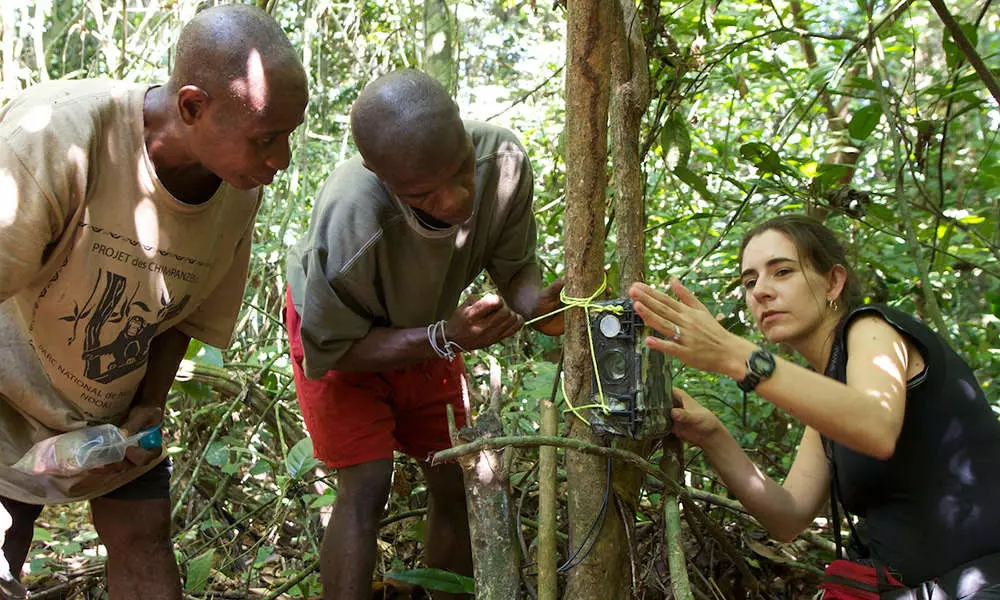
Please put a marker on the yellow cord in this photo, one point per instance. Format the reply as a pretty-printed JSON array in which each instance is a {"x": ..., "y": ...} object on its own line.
[{"x": 587, "y": 304}]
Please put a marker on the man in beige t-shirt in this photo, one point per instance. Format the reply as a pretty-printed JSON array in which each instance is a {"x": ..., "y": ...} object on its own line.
[{"x": 126, "y": 221}]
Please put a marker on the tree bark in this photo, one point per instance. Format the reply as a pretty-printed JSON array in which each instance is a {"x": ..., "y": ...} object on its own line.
[
  {"x": 439, "y": 39},
  {"x": 495, "y": 556},
  {"x": 548, "y": 585},
  {"x": 588, "y": 36}
]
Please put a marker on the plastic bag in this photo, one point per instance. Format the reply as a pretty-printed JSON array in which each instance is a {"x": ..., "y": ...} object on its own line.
[{"x": 88, "y": 448}]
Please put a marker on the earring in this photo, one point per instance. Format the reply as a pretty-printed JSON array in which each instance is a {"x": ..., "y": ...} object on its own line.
[{"x": 833, "y": 304}]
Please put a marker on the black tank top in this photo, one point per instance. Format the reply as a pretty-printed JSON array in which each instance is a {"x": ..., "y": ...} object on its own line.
[{"x": 935, "y": 504}]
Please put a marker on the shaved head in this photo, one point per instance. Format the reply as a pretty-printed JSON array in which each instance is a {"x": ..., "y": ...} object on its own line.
[
  {"x": 231, "y": 50},
  {"x": 405, "y": 120}
]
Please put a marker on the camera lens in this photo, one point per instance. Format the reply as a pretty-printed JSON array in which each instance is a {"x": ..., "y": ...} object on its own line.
[{"x": 613, "y": 365}]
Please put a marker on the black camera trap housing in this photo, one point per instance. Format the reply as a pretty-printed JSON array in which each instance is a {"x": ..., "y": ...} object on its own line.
[{"x": 635, "y": 380}]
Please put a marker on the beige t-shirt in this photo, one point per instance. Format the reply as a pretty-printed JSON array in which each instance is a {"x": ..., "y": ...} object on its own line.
[
  {"x": 366, "y": 261},
  {"x": 96, "y": 258}
]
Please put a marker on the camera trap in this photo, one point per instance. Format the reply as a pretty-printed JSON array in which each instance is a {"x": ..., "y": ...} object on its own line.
[{"x": 634, "y": 379}]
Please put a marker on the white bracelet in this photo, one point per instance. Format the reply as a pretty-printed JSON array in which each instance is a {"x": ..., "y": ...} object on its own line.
[{"x": 446, "y": 349}]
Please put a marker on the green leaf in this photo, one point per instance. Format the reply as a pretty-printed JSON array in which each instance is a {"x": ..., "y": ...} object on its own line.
[
  {"x": 761, "y": 156},
  {"x": 780, "y": 37},
  {"x": 300, "y": 459},
  {"x": 436, "y": 579},
  {"x": 880, "y": 212},
  {"x": 537, "y": 384},
  {"x": 218, "y": 454},
  {"x": 864, "y": 122},
  {"x": 259, "y": 467},
  {"x": 208, "y": 355},
  {"x": 198, "y": 570},
  {"x": 989, "y": 176},
  {"x": 695, "y": 182},
  {"x": 416, "y": 530},
  {"x": 994, "y": 299},
  {"x": 675, "y": 141},
  {"x": 194, "y": 347},
  {"x": 68, "y": 549},
  {"x": 325, "y": 500},
  {"x": 262, "y": 555},
  {"x": 953, "y": 55},
  {"x": 830, "y": 173}
]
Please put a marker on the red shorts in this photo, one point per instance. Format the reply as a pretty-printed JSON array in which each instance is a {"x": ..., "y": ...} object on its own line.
[{"x": 358, "y": 417}]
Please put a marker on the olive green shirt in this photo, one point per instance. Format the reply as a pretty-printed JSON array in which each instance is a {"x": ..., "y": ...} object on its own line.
[{"x": 367, "y": 262}]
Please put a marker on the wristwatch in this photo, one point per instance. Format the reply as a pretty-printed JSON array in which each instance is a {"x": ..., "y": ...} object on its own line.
[{"x": 760, "y": 366}]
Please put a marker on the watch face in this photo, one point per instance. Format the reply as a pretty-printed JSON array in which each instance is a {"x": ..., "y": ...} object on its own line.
[{"x": 762, "y": 363}]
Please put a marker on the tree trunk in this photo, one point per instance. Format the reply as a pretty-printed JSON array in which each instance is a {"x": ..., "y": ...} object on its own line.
[
  {"x": 598, "y": 573},
  {"x": 439, "y": 38}
]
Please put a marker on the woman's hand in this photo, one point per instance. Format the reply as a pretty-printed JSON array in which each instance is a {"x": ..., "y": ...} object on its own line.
[
  {"x": 694, "y": 423},
  {"x": 690, "y": 332}
]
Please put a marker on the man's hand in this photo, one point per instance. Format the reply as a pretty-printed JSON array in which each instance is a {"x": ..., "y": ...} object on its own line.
[
  {"x": 482, "y": 322},
  {"x": 548, "y": 301},
  {"x": 141, "y": 417}
]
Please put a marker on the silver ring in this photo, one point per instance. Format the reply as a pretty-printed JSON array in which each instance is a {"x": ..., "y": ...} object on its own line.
[{"x": 677, "y": 333}]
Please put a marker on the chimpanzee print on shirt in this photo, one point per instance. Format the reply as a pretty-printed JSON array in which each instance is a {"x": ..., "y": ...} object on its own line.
[{"x": 110, "y": 321}]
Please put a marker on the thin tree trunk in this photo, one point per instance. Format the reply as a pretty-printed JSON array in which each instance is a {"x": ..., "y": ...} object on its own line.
[
  {"x": 548, "y": 585},
  {"x": 671, "y": 466},
  {"x": 439, "y": 40},
  {"x": 495, "y": 556},
  {"x": 629, "y": 100},
  {"x": 587, "y": 88}
]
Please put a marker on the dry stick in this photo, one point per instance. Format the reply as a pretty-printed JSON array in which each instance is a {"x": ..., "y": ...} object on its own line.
[
  {"x": 726, "y": 545},
  {"x": 967, "y": 48},
  {"x": 559, "y": 442},
  {"x": 309, "y": 570},
  {"x": 548, "y": 585},
  {"x": 76, "y": 578}
]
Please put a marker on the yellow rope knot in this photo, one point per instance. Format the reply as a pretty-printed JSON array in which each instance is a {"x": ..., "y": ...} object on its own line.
[{"x": 588, "y": 305}]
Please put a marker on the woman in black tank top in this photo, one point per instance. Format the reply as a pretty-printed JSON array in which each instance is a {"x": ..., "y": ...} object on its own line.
[{"x": 913, "y": 442}]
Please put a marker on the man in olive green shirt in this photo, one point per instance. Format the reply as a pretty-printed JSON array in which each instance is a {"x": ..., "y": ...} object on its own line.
[{"x": 397, "y": 234}]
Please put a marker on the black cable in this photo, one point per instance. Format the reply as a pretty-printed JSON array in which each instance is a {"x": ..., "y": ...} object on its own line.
[{"x": 591, "y": 538}]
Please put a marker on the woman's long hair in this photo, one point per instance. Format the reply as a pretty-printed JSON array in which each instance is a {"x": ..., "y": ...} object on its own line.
[{"x": 818, "y": 246}]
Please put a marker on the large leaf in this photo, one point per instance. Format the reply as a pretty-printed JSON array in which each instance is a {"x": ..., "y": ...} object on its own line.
[
  {"x": 864, "y": 122},
  {"x": 953, "y": 55},
  {"x": 675, "y": 141},
  {"x": 761, "y": 156},
  {"x": 436, "y": 579},
  {"x": 300, "y": 458},
  {"x": 695, "y": 182},
  {"x": 208, "y": 355},
  {"x": 198, "y": 570}
]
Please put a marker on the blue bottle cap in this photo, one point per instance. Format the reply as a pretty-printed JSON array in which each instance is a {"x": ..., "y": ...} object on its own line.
[{"x": 151, "y": 438}]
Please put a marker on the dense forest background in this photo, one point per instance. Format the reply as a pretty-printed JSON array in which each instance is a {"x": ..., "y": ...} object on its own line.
[{"x": 866, "y": 114}]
